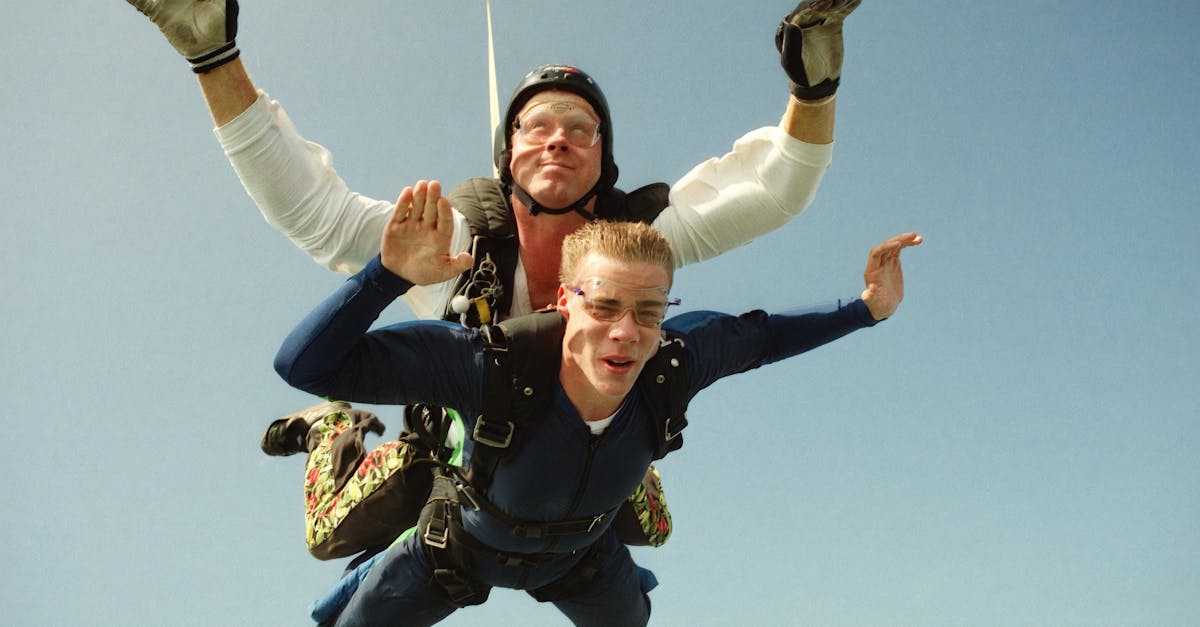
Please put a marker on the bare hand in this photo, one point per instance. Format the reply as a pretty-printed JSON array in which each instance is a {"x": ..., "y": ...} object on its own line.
[
  {"x": 416, "y": 240},
  {"x": 884, "y": 277}
]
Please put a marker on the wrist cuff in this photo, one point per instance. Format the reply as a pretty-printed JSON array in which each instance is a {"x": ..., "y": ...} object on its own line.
[
  {"x": 215, "y": 58},
  {"x": 823, "y": 89}
]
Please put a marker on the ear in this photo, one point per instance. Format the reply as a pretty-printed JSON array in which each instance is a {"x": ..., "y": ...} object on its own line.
[{"x": 561, "y": 305}]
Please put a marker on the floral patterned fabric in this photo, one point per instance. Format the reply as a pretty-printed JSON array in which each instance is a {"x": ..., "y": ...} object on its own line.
[
  {"x": 325, "y": 505},
  {"x": 650, "y": 505},
  {"x": 328, "y": 504}
]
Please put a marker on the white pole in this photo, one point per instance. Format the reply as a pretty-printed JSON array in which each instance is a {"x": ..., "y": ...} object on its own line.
[{"x": 493, "y": 96}]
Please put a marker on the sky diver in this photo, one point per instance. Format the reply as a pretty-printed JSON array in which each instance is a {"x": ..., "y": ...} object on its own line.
[
  {"x": 554, "y": 154},
  {"x": 614, "y": 364}
]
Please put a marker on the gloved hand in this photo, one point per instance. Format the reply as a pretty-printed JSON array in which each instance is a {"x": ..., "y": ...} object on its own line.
[
  {"x": 202, "y": 31},
  {"x": 809, "y": 40}
]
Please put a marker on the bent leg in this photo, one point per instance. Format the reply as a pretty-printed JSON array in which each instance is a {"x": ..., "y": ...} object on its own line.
[
  {"x": 354, "y": 500},
  {"x": 397, "y": 591},
  {"x": 618, "y": 596}
]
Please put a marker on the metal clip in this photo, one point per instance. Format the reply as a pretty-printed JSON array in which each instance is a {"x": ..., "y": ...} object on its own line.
[
  {"x": 597, "y": 520},
  {"x": 469, "y": 495},
  {"x": 488, "y": 438},
  {"x": 438, "y": 542}
]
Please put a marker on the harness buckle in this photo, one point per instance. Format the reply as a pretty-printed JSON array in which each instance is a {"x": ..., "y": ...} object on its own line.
[
  {"x": 493, "y": 434},
  {"x": 597, "y": 520},
  {"x": 667, "y": 432},
  {"x": 469, "y": 494},
  {"x": 439, "y": 537}
]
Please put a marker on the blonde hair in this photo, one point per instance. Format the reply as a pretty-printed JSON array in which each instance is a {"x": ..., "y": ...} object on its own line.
[{"x": 621, "y": 241}]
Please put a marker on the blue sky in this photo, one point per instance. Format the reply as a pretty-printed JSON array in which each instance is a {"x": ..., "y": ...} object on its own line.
[{"x": 1012, "y": 448}]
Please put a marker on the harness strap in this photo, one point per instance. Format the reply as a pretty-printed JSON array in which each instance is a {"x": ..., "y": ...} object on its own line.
[
  {"x": 427, "y": 428},
  {"x": 445, "y": 557},
  {"x": 663, "y": 385},
  {"x": 446, "y": 543},
  {"x": 495, "y": 426},
  {"x": 531, "y": 530},
  {"x": 520, "y": 370}
]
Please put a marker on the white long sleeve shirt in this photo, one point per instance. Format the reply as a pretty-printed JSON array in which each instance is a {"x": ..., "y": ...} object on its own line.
[{"x": 767, "y": 179}]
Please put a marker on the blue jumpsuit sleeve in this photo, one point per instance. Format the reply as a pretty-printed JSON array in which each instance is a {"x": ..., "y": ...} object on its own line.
[
  {"x": 332, "y": 352},
  {"x": 800, "y": 330},
  {"x": 722, "y": 345}
]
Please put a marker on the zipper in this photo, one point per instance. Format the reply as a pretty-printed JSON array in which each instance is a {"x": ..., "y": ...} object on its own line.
[{"x": 593, "y": 444}]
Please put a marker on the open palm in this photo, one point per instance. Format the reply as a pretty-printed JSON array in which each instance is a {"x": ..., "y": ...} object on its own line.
[{"x": 416, "y": 240}]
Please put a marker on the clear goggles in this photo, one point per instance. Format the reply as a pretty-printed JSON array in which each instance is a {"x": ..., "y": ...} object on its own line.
[
  {"x": 608, "y": 301},
  {"x": 542, "y": 121}
]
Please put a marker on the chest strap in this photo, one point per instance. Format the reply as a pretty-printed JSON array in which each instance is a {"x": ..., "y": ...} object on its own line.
[{"x": 531, "y": 530}]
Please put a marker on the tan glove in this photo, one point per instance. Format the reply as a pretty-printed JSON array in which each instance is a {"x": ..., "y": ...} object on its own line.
[
  {"x": 202, "y": 31},
  {"x": 809, "y": 40}
]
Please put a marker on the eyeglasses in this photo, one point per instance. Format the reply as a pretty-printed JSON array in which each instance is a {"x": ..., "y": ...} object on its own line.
[
  {"x": 543, "y": 120},
  {"x": 607, "y": 301}
]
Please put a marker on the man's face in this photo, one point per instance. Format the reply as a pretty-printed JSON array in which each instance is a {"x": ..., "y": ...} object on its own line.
[
  {"x": 604, "y": 358},
  {"x": 556, "y": 172}
]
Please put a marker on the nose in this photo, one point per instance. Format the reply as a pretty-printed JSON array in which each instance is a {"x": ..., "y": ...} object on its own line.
[
  {"x": 625, "y": 329},
  {"x": 557, "y": 141}
]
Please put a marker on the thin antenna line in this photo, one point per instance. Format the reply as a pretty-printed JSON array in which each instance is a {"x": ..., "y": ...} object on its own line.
[{"x": 493, "y": 95}]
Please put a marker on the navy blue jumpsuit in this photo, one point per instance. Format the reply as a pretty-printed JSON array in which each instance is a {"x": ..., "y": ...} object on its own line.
[{"x": 562, "y": 472}]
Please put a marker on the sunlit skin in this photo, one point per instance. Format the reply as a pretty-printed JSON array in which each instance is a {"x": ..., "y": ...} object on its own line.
[
  {"x": 602, "y": 360},
  {"x": 556, "y": 174}
]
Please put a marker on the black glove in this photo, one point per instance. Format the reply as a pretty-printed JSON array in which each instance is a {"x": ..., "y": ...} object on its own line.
[
  {"x": 809, "y": 40},
  {"x": 202, "y": 31}
]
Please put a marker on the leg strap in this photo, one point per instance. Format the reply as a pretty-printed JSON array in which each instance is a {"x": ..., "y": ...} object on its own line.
[{"x": 438, "y": 519}]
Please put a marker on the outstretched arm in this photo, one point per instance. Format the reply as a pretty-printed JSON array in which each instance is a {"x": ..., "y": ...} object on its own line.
[
  {"x": 884, "y": 276},
  {"x": 723, "y": 345},
  {"x": 292, "y": 181},
  {"x": 772, "y": 174}
]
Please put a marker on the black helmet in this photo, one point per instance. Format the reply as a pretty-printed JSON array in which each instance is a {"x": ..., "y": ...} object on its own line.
[{"x": 565, "y": 78}]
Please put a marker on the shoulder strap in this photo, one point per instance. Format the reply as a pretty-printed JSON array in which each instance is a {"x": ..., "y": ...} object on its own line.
[
  {"x": 664, "y": 388},
  {"x": 641, "y": 205},
  {"x": 484, "y": 203},
  {"x": 521, "y": 360}
]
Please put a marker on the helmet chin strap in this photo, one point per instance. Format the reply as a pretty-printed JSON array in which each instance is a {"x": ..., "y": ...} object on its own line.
[{"x": 536, "y": 208}]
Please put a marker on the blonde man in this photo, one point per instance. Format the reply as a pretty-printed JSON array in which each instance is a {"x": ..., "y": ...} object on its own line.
[{"x": 589, "y": 445}]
